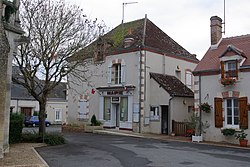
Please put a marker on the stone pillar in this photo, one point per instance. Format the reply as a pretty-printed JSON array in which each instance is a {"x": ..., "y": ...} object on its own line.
[{"x": 4, "y": 50}]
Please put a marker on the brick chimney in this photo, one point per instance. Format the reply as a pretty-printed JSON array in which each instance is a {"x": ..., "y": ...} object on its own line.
[{"x": 216, "y": 29}]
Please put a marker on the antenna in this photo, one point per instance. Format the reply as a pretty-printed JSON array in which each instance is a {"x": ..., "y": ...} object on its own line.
[
  {"x": 224, "y": 32},
  {"x": 123, "y": 5}
]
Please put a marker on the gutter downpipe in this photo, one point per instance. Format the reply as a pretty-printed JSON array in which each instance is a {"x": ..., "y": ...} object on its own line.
[
  {"x": 140, "y": 90},
  {"x": 170, "y": 109},
  {"x": 200, "y": 124}
]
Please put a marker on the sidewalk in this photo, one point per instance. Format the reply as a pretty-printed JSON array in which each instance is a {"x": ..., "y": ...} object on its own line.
[{"x": 24, "y": 154}]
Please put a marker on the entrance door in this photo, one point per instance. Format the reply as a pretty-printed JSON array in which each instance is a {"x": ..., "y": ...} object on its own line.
[
  {"x": 117, "y": 115},
  {"x": 164, "y": 120},
  {"x": 26, "y": 111}
]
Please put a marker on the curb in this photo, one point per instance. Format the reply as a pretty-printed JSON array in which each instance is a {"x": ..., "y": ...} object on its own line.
[
  {"x": 39, "y": 156},
  {"x": 158, "y": 138}
]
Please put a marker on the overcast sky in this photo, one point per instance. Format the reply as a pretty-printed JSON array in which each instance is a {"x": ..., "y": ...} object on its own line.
[{"x": 186, "y": 21}]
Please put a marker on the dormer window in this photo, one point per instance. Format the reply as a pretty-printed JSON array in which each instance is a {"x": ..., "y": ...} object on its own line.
[{"x": 231, "y": 69}]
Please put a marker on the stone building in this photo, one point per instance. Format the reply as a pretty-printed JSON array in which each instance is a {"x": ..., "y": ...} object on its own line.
[{"x": 10, "y": 38}]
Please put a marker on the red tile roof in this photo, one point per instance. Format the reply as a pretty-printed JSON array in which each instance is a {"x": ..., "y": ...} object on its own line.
[
  {"x": 172, "y": 85},
  {"x": 211, "y": 60}
]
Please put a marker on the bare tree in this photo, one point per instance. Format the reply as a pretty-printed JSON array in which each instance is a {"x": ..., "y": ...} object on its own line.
[{"x": 56, "y": 31}]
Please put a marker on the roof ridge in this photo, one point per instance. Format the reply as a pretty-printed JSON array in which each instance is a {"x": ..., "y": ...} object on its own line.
[{"x": 238, "y": 36}]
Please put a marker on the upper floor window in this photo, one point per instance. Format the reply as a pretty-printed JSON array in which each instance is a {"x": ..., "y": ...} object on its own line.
[
  {"x": 116, "y": 74},
  {"x": 189, "y": 79},
  {"x": 231, "y": 69}
]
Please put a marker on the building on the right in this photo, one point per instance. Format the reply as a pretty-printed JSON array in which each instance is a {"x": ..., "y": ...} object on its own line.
[{"x": 222, "y": 80}]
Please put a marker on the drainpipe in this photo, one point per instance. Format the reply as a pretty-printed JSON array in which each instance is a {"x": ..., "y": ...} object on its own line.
[
  {"x": 140, "y": 90},
  {"x": 169, "y": 106},
  {"x": 200, "y": 103}
]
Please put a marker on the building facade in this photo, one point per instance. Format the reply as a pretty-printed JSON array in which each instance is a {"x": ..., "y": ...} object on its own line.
[
  {"x": 221, "y": 80},
  {"x": 10, "y": 38},
  {"x": 124, "y": 89}
]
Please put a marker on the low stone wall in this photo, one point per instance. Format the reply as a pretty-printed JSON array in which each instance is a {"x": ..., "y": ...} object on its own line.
[{"x": 80, "y": 128}]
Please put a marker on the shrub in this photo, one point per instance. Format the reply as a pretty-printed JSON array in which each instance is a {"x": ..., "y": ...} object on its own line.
[
  {"x": 16, "y": 127},
  {"x": 49, "y": 138},
  {"x": 228, "y": 131},
  {"x": 93, "y": 120}
]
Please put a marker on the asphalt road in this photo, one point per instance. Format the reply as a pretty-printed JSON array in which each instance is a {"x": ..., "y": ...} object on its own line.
[{"x": 99, "y": 150}]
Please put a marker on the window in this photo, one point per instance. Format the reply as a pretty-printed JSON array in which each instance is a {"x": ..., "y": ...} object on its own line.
[
  {"x": 107, "y": 108},
  {"x": 58, "y": 114},
  {"x": 232, "y": 112},
  {"x": 124, "y": 109},
  {"x": 189, "y": 79},
  {"x": 154, "y": 113},
  {"x": 231, "y": 69},
  {"x": 116, "y": 74}
]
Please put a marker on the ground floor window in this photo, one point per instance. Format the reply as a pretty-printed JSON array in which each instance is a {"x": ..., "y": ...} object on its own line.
[
  {"x": 58, "y": 114},
  {"x": 154, "y": 113},
  {"x": 107, "y": 108},
  {"x": 124, "y": 109},
  {"x": 232, "y": 112}
]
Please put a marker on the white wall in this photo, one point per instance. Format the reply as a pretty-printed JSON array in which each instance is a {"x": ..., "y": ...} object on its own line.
[{"x": 211, "y": 87}]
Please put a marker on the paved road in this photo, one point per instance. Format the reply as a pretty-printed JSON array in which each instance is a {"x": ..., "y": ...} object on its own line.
[{"x": 96, "y": 150}]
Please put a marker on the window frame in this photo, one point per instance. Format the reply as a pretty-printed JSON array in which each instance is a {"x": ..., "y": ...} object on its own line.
[
  {"x": 226, "y": 107},
  {"x": 60, "y": 114},
  {"x": 232, "y": 72},
  {"x": 189, "y": 73},
  {"x": 154, "y": 113}
]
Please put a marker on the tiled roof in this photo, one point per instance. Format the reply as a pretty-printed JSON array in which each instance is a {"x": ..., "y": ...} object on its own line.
[
  {"x": 19, "y": 92},
  {"x": 155, "y": 39},
  {"x": 211, "y": 60},
  {"x": 172, "y": 85}
]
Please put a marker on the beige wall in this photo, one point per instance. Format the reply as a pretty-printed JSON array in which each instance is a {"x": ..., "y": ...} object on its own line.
[
  {"x": 51, "y": 107},
  {"x": 99, "y": 77}
]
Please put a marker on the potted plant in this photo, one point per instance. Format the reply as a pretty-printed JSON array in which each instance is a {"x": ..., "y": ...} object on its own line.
[
  {"x": 205, "y": 107},
  {"x": 228, "y": 81},
  {"x": 242, "y": 138}
]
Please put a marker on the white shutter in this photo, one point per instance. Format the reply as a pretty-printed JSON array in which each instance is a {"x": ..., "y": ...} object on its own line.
[
  {"x": 109, "y": 74},
  {"x": 123, "y": 73}
]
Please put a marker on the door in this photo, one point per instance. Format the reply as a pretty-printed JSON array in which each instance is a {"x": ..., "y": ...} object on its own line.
[
  {"x": 26, "y": 111},
  {"x": 164, "y": 120},
  {"x": 117, "y": 115}
]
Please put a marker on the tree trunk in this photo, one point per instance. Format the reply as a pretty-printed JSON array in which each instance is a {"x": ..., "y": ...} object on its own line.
[{"x": 42, "y": 117}]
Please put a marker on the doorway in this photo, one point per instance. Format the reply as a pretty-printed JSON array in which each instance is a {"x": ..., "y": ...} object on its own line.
[
  {"x": 26, "y": 111},
  {"x": 117, "y": 114},
  {"x": 164, "y": 119}
]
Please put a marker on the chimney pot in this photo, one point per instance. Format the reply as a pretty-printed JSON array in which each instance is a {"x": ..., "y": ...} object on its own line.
[{"x": 216, "y": 29}]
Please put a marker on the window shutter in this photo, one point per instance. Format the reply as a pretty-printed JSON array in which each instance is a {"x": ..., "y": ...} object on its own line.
[
  {"x": 109, "y": 74},
  {"x": 243, "y": 113},
  {"x": 222, "y": 66},
  {"x": 237, "y": 69},
  {"x": 218, "y": 112},
  {"x": 123, "y": 73}
]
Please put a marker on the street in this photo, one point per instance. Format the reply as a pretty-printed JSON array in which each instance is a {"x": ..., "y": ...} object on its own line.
[{"x": 95, "y": 150}]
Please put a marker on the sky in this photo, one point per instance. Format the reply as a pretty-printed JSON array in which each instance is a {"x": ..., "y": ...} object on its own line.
[{"x": 185, "y": 21}]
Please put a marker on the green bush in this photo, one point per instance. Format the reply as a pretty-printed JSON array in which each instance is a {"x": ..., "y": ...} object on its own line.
[
  {"x": 94, "y": 121},
  {"x": 49, "y": 138},
  {"x": 16, "y": 127},
  {"x": 228, "y": 131}
]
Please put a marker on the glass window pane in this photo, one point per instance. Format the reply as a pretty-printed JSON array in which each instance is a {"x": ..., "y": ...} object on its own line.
[
  {"x": 236, "y": 120},
  {"x": 124, "y": 109},
  {"x": 229, "y": 103},
  {"x": 229, "y": 112},
  {"x": 236, "y": 104},
  {"x": 229, "y": 120},
  {"x": 107, "y": 108}
]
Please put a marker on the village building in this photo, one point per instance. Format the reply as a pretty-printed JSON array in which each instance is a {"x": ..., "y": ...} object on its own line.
[
  {"x": 138, "y": 79},
  {"x": 10, "y": 38},
  {"x": 222, "y": 82}
]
